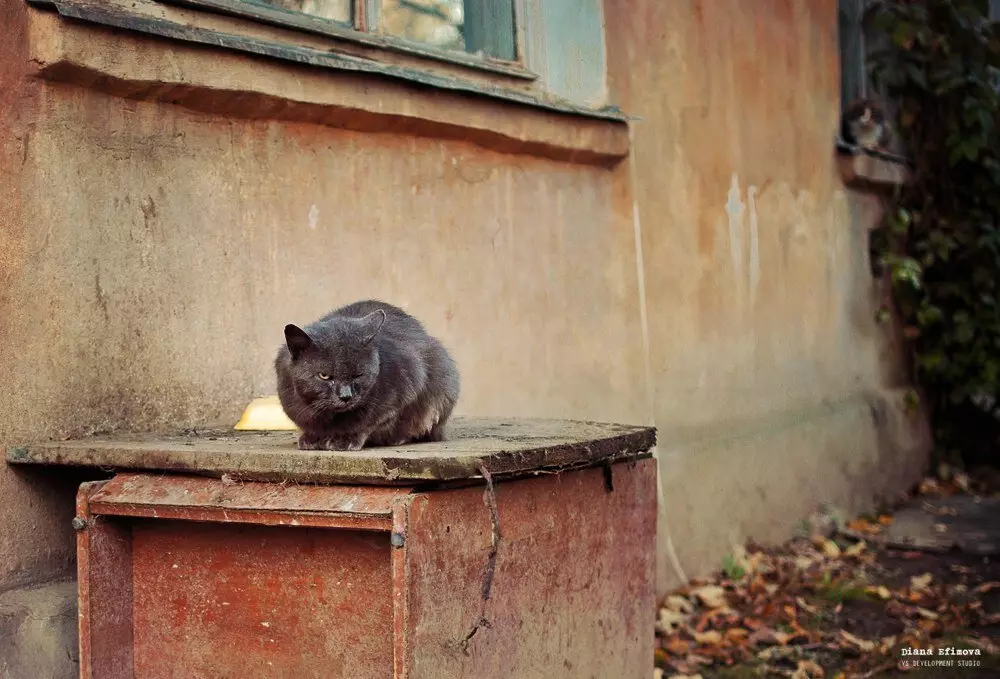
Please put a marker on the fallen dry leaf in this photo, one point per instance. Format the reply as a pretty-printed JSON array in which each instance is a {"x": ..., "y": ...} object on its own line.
[
  {"x": 830, "y": 549},
  {"x": 710, "y": 638},
  {"x": 776, "y": 653},
  {"x": 737, "y": 634},
  {"x": 660, "y": 657},
  {"x": 939, "y": 511},
  {"x": 855, "y": 549},
  {"x": 882, "y": 592},
  {"x": 695, "y": 659},
  {"x": 987, "y": 587},
  {"x": 921, "y": 582},
  {"x": 711, "y": 596},
  {"x": 930, "y": 486},
  {"x": 807, "y": 669},
  {"x": 803, "y": 563},
  {"x": 930, "y": 615},
  {"x": 863, "y": 526},
  {"x": 783, "y": 637},
  {"x": 806, "y": 607},
  {"x": 762, "y": 636},
  {"x": 885, "y": 520},
  {"x": 670, "y": 621},
  {"x": 677, "y": 646},
  {"x": 679, "y": 604},
  {"x": 856, "y": 642}
]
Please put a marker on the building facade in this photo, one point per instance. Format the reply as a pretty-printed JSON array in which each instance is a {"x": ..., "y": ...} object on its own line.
[{"x": 623, "y": 211}]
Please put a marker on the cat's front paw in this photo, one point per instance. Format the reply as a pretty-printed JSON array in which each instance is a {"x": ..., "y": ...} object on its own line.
[
  {"x": 310, "y": 443},
  {"x": 332, "y": 443}
]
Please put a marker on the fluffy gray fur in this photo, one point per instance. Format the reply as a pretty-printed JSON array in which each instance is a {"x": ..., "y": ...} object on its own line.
[{"x": 365, "y": 374}]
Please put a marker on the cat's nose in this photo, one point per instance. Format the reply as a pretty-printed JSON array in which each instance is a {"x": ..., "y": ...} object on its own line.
[{"x": 344, "y": 393}]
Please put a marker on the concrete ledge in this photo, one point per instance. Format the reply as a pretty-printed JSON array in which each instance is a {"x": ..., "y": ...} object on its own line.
[
  {"x": 38, "y": 632},
  {"x": 864, "y": 171},
  {"x": 232, "y": 76}
]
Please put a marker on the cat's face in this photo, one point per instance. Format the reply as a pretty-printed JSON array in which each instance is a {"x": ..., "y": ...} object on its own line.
[{"x": 335, "y": 369}]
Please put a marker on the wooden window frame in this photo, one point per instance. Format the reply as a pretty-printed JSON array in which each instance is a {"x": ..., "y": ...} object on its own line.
[{"x": 363, "y": 29}]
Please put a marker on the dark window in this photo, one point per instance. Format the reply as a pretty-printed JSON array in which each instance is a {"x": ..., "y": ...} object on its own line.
[{"x": 853, "y": 72}]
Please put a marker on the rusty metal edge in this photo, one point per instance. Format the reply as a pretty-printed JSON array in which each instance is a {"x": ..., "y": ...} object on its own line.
[
  {"x": 85, "y": 522},
  {"x": 400, "y": 596},
  {"x": 82, "y": 576}
]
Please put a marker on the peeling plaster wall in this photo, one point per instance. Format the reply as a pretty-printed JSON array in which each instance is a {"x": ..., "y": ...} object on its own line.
[
  {"x": 772, "y": 385},
  {"x": 152, "y": 255}
]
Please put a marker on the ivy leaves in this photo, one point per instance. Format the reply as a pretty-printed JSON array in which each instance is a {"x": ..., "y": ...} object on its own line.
[{"x": 940, "y": 244}]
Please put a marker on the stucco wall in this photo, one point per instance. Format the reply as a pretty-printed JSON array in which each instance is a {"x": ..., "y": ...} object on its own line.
[
  {"x": 152, "y": 256},
  {"x": 769, "y": 372}
]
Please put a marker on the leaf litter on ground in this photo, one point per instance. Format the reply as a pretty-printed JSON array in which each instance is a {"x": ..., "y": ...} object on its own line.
[{"x": 823, "y": 606}]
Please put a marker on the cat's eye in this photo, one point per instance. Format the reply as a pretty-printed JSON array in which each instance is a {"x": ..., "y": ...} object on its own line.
[{"x": 323, "y": 376}]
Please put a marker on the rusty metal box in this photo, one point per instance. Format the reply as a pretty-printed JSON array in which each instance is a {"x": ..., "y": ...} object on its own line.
[{"x": 538, "y": 565}]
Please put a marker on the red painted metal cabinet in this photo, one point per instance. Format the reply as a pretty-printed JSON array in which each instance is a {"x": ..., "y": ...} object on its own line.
[{"x": 541, "y": 573}]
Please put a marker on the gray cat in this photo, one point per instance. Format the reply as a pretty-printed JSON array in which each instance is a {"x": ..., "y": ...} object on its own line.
[{"x": 365, "y": 374}]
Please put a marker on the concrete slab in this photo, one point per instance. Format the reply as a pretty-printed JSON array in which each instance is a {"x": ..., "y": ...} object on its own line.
[
  {"x": 964, "y": 522},
  {"x": 503, "y": 448}
]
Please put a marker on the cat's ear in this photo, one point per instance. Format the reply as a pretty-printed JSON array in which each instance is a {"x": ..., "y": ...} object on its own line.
[
  {"x": 297, "y": 340},
  {"x": 370, "y": 325}
]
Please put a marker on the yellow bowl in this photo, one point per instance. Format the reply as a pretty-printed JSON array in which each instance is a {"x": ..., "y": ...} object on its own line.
[{"x": 265, "y": 414}]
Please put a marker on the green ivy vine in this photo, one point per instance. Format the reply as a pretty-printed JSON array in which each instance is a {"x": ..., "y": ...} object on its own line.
[{"x": 940, "y": 240}]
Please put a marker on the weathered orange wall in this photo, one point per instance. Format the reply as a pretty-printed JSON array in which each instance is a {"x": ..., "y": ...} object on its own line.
[
  {"x": 152, "y": 256},
  {"x": 767, "y": 365}
]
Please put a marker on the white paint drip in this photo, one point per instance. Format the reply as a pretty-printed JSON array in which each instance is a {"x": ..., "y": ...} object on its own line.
[
  {"x": 734, "y": 210},
  {"x": 313, "y": 216},
  {"x": 738, "y": 246},
  {"x": 754, "y": 244}
]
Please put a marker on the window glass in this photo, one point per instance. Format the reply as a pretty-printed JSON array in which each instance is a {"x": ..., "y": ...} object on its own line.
[
  {"x": 334, "y": 10},
  {"x": 482, "y": 27}
]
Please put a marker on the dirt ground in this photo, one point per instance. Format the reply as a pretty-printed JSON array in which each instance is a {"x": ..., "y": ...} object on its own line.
[{"x": 856, "y": 598}]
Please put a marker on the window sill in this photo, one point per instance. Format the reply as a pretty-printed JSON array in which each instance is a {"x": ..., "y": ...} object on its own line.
[
  {"x": 233, "y": 75},
  {"x": 865, "y": 170}
]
